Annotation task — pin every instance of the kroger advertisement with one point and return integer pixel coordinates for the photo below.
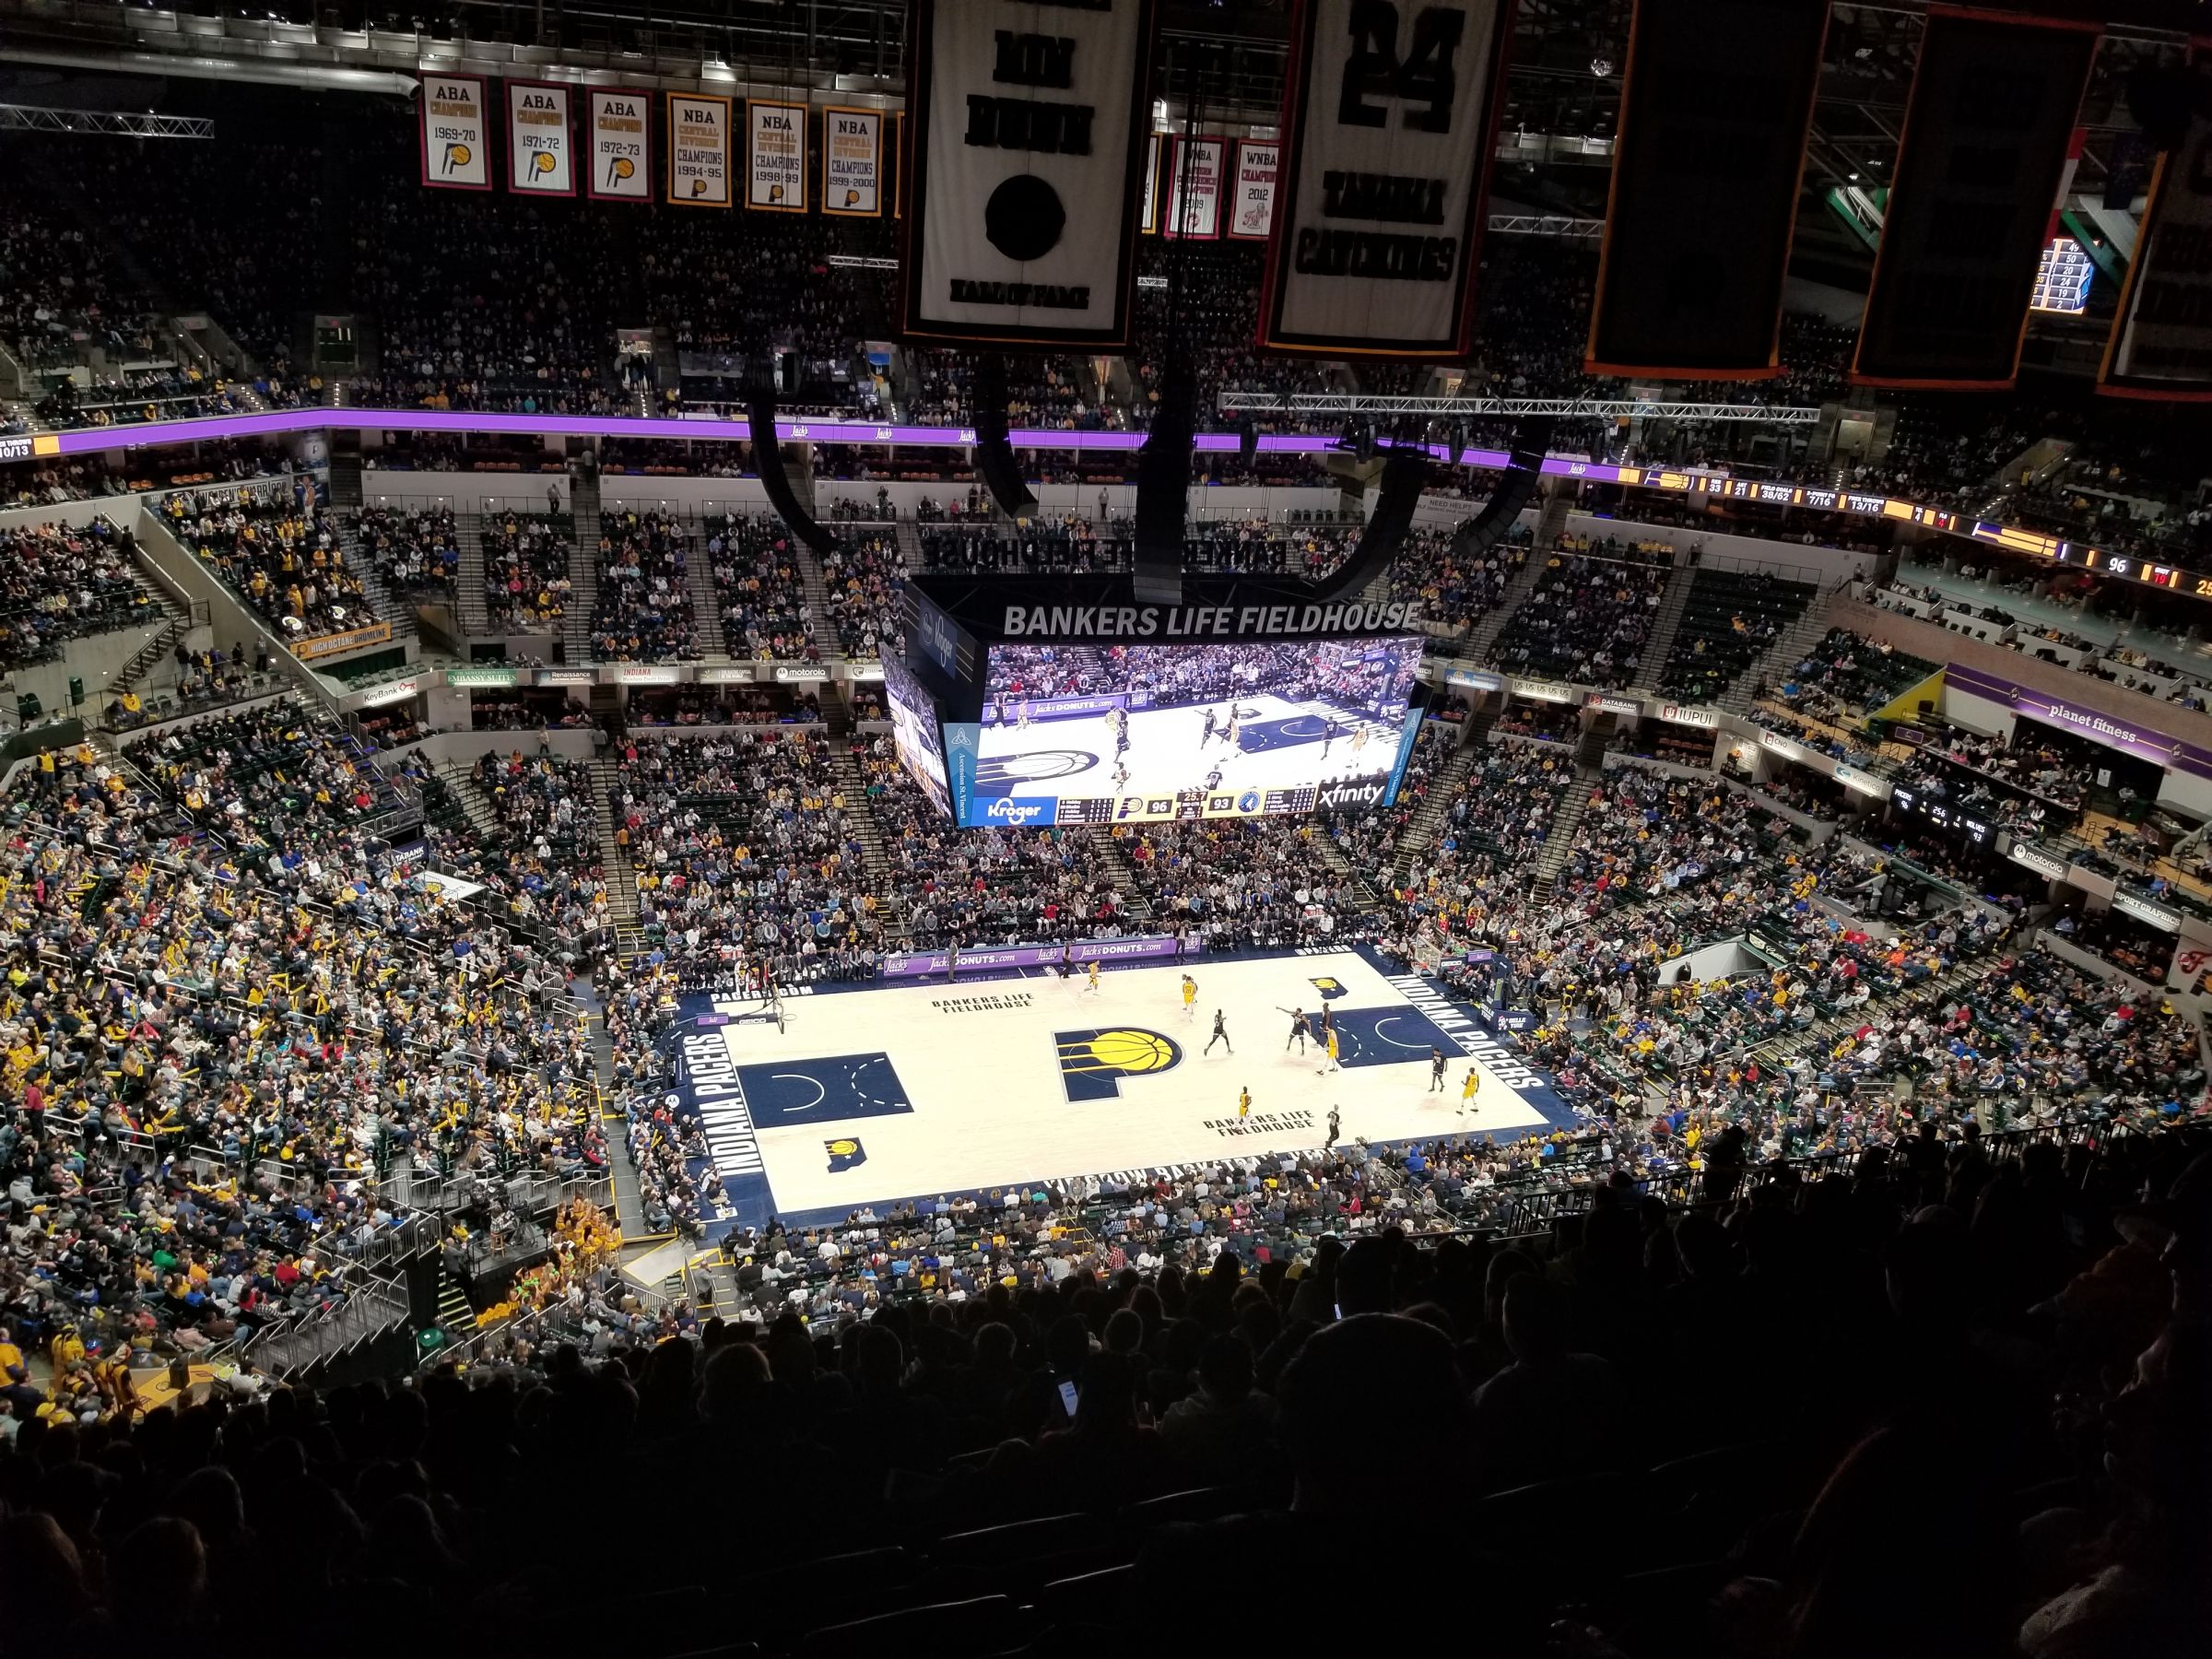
(1134, 733)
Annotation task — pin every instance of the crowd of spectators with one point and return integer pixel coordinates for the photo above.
(1590, 612)
(285, 559)
(1730, 620)
(526, 570)
(864, 577)
(643, 608)
(761, 589)
(415, 551)
(59, 584)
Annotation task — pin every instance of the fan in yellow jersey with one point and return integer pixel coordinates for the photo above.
(1190, 995)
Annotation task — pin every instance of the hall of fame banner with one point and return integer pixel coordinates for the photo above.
(620, 157)
(1390, 119)
(853, 162)
(1025, 143)
(541, 150)
(775, 155)
(698, 151)
(456, 133)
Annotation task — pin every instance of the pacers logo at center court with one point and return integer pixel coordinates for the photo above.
(1093, 1063)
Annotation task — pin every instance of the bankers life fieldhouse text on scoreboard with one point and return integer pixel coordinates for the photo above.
(1204, 621)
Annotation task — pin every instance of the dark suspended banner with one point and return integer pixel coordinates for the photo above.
(1705, 182)
(1978, 176)
(1027, 139)
(2161, 344)
(1391, 112)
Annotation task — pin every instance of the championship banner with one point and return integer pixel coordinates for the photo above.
(1711, 154)
(1978, 170)
(1251, 214)
(1391, 112)
(853, 162)
(2161, 342)
(622, 144)
(541, 154)
(1195, 189)
(698, 151)
(1147, 216)
(456, 136)
(1027, 123)
(775, 155)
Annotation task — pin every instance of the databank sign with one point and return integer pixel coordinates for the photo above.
(1028, 150)
(1390, 119)
(541, 155)
(622, 144)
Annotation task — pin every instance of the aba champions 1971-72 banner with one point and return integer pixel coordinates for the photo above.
(541, 149)
(1717, 111)
(1979, 170)
(1025, 142)
(2161, 341)
(698, 151)
(620, 145)
(853, 162)
(456, 133)
(775, 155)
(1390, 116)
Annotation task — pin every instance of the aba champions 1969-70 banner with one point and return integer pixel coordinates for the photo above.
(541, 150)
(853, 162)
(698, 151)
(1390, 117)
(620, 145)
(1025, 143)
(456, 136)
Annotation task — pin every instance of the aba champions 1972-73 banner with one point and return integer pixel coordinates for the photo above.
(698, 151)
(1025, 142)
(457, 133)
(541, 149)
(1390, 119)
(620, 145)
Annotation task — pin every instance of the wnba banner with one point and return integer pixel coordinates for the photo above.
(456, 136)
(1195, 189)
(1252, 211)
(2161, 344)
(1978, 174)
(1391, 114)
(698, 151)
(1712, 148)
(621, 145)
(541, 156)
(853, 162)
(1028, 127)
(775, 153)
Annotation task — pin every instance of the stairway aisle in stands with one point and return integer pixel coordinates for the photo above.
(706, 599)
(1427, 820)
(1659, 645)
(622, 879)
(854, 787)
(583, 566)
(1364, 896)
(346, 483)
(1558, 839)
(484, 823)
(1116, 865)
(1484, 638)
(383, 602)
(469, 531)
(1786, 654)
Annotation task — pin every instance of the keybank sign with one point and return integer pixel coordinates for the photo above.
(1017, 810)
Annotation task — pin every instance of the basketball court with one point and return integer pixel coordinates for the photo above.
(869, 1097)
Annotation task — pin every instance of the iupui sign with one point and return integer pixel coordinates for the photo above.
(1026, 147)
(1391, 114)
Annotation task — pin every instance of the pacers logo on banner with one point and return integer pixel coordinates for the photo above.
(1093, 1063)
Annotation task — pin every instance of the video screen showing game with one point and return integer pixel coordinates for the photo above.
(914, 732)
(1132, 734)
